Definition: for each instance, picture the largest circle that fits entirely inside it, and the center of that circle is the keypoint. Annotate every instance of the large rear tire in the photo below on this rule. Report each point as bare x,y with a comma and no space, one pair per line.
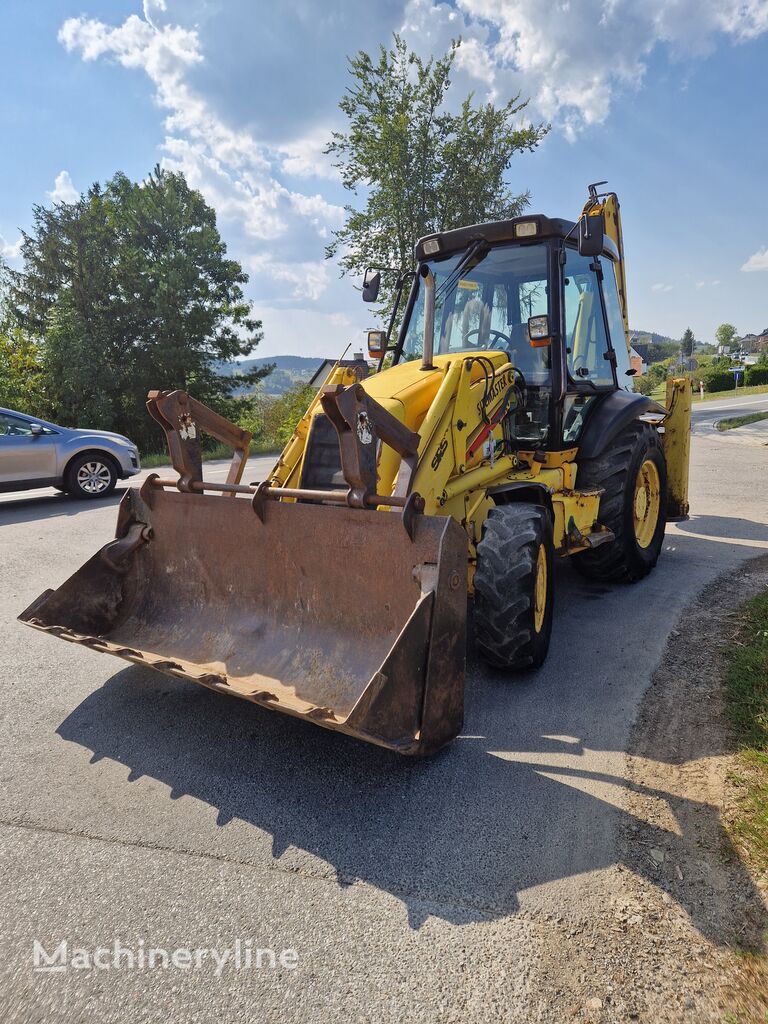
633,475
514,587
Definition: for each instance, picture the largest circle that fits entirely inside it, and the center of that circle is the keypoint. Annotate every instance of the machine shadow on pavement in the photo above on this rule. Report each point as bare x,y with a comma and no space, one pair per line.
727,527
457,836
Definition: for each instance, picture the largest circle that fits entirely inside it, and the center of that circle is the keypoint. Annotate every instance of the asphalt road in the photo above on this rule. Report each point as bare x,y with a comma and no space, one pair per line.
718,408
137,807
705,415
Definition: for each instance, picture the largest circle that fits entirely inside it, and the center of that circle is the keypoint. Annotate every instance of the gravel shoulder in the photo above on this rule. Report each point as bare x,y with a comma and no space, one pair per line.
686,933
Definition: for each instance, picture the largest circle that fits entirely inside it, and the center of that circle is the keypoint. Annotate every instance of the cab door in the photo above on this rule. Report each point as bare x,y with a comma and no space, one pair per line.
590,357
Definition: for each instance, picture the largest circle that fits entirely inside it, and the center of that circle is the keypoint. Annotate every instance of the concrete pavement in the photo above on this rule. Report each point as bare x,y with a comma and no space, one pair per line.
140,807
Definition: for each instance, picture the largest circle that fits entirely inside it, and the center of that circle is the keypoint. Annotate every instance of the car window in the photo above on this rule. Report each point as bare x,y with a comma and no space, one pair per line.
15,426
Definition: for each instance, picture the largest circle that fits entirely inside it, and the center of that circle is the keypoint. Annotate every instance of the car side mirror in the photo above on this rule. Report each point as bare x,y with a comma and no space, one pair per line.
377,344
371,285
36,430
591,232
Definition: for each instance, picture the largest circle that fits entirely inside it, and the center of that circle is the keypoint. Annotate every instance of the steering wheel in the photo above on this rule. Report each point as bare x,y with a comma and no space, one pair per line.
507,341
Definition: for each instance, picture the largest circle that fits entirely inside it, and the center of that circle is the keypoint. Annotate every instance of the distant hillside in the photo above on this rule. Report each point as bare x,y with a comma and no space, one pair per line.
288,371
650,337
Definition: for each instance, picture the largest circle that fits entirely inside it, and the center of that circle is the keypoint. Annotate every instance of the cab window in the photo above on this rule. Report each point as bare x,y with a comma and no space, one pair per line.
616,324
486,305
585,336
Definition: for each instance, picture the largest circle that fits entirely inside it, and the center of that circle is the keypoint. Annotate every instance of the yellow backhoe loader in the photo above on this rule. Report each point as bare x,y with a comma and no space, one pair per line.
498,431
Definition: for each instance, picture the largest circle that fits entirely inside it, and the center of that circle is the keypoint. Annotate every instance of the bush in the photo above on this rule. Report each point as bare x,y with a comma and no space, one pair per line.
715,379
756,375
273,420
644,385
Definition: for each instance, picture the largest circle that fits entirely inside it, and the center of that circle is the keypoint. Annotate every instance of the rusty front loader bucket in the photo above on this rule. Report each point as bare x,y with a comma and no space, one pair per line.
352,618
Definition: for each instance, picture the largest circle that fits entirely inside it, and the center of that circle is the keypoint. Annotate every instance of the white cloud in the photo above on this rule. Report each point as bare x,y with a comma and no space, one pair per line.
304,157
10,250
63,190
572,57
757,261
308,279
661,287
237,173
700,284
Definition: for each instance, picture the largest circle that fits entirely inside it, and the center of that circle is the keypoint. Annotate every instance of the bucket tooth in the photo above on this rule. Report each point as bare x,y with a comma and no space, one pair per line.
212,679
264,696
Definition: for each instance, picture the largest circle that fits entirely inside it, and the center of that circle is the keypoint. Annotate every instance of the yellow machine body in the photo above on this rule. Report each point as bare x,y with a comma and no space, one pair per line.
336,589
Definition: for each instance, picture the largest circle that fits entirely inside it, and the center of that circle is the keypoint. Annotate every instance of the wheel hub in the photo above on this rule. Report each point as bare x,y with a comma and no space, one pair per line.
540,590
647,503
93,477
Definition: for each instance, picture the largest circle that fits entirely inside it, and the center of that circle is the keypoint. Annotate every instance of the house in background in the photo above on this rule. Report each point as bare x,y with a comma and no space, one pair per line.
754,342
636,362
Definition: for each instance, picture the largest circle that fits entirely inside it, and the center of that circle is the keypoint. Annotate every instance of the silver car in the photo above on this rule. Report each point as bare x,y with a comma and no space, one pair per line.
84,463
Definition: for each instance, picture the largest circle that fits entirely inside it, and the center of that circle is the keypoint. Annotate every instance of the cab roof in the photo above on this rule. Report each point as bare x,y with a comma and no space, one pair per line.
494,232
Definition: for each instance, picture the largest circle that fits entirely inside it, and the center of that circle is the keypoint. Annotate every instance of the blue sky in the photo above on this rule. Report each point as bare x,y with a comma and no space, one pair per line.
667,100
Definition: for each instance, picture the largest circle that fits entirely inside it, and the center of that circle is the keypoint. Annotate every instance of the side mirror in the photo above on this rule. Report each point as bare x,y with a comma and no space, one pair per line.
538,331
591,235
371,285
36,430
377,344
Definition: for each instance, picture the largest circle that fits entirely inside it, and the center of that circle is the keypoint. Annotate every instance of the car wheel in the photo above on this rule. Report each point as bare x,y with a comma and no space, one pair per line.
91,475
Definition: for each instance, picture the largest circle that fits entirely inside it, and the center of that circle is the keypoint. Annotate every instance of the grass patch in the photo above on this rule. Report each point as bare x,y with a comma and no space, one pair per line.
746,686
741,421
659,393
219,451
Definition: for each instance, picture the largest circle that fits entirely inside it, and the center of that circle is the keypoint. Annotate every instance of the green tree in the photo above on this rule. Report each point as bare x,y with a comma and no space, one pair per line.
725,335
687,343
20,366
21,373
273,420
130,289
423,166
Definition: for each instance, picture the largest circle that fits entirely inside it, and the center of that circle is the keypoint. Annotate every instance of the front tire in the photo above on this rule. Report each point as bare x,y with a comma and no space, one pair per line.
90,475
514,587
633,475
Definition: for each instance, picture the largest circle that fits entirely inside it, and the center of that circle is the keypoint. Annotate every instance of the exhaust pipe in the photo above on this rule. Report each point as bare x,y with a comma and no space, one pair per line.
429,318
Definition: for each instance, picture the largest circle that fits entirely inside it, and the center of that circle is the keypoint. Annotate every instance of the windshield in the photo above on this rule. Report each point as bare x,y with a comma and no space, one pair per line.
486,305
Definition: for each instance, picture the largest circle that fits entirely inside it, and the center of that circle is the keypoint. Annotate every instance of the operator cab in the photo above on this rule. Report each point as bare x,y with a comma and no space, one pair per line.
523,287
